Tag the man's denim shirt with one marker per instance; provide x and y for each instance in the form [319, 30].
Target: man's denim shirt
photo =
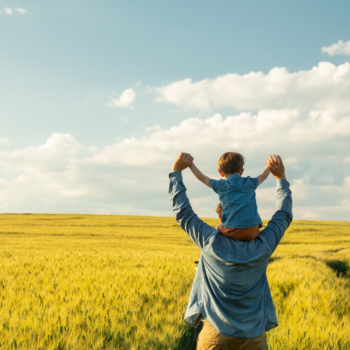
[230, 288]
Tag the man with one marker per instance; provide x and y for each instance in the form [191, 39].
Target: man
[230, 291]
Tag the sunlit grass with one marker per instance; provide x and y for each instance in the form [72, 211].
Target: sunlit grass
[123, 282]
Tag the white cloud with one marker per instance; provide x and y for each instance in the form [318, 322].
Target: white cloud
[4, 140]
[21, 11]
[53, 156]
[130, 176]
[324, 86]
[126, 99]
[8, 11]
[123, 119]
[339, 48]
[290, 132]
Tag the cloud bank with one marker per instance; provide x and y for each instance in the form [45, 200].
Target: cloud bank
[130, 177]
[324, 86]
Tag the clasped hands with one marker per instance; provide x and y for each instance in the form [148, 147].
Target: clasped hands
[184, 160]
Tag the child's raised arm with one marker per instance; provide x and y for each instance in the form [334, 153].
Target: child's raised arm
[263, 176]
[199, 175]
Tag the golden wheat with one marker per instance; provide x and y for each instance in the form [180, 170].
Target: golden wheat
[122, 282]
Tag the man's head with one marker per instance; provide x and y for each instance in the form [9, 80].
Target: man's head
[231, 163]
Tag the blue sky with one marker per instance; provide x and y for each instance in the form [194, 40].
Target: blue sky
[63, 62]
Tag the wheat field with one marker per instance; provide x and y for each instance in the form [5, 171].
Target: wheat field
[122, 282]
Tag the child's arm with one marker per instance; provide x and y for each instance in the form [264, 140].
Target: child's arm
[263, 176]
[199, 175]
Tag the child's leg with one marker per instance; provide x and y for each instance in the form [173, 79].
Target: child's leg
[240, 234]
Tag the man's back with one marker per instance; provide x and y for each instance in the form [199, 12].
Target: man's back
[236, 285]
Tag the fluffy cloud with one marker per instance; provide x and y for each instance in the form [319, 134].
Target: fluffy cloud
[324, 86]
[126, 99]
[269, 130]
[340, 48]
[130, 177]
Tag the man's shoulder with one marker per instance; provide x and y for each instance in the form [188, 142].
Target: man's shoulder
[230, 250]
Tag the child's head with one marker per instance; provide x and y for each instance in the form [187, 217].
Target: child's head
[231, 163]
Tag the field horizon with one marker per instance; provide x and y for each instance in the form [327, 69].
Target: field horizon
[204, 218]
[91, 281]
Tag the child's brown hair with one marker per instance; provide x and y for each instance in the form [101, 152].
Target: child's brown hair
[231, 163]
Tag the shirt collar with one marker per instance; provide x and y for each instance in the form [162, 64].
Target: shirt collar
[233, 176]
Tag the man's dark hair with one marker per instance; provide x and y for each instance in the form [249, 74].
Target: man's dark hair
[231, 163]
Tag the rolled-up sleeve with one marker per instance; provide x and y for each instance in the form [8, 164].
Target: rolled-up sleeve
[283, 216]
[196, 229]
[253, 182]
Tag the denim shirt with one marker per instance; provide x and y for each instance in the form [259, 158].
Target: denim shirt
[230, 288]
[237, 195]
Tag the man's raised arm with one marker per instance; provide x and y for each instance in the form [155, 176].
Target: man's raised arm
[197, 230]
[283, 215]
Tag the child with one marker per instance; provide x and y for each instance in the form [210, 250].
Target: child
[240, 218]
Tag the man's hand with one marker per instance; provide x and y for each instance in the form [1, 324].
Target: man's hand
[276, 166]
[183, 161]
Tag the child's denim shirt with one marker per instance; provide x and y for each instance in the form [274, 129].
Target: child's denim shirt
[237, 195]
